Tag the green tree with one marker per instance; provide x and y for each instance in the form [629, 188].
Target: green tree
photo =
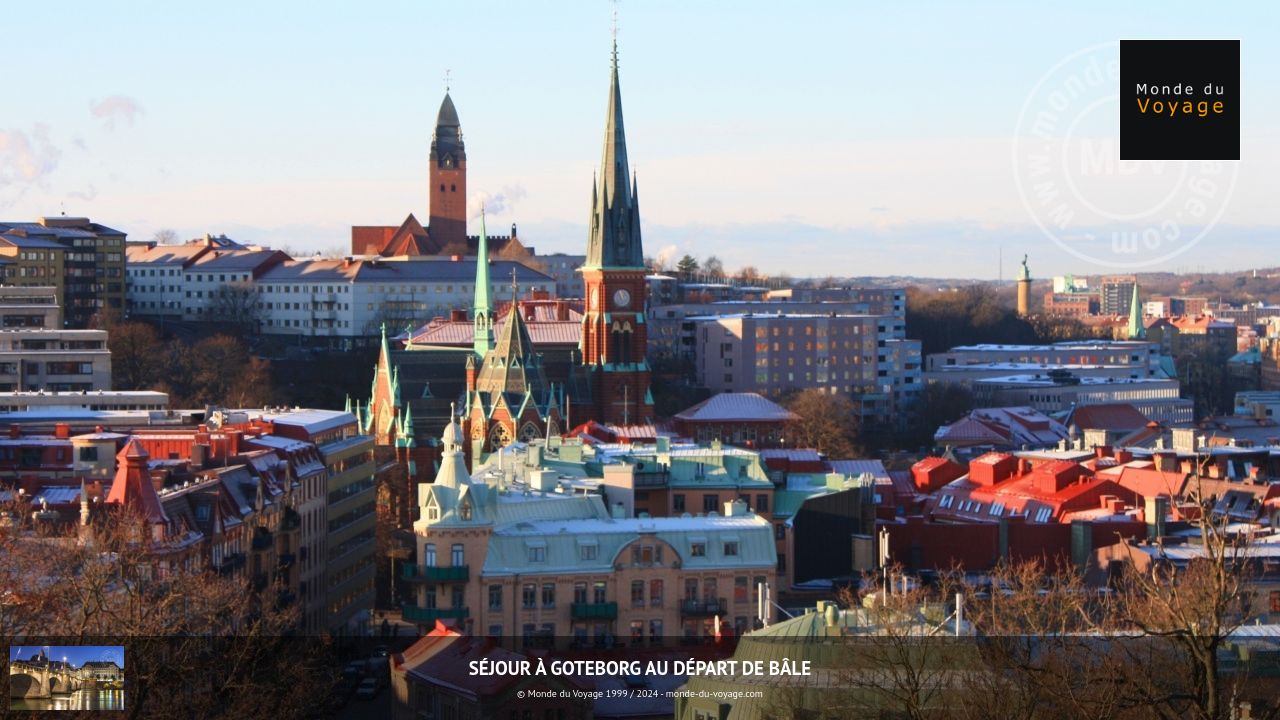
[687, 266]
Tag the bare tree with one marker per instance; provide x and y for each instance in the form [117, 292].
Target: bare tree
[238, 306]
[165, 236]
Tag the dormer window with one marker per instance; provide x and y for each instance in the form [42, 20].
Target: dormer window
[464, 510]
[433, 513]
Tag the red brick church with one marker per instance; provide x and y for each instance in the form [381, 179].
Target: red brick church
[446, 230]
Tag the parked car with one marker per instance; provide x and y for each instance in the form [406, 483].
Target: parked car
[355, 670]
[368, 689]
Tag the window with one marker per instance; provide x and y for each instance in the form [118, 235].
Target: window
[538, 553]
[677, 502]
[731, 548]
[1042, 515]
[455, 556]
[529, 596]
[599, 593]
[762, 503]
[459, 596]
[741, 593]
[88, 454]
[780, 531]
[580, 592]
[655, 593]
[655, 631]
[637, 593]
[548, 595]
[997, 508]
[588, 552]
[698, 549]
[710, 502]
[495, 597]
[429, 558]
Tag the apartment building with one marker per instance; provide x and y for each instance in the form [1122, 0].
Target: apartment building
[92, 277]
[540, 559]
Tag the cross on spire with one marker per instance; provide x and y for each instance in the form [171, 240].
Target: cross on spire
[515, 289]
[448, 75]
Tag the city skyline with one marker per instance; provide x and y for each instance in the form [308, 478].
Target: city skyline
[820, 141]
[76, 655]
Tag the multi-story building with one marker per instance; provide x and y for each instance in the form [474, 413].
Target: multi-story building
[30, 260]
[1097, 358]
[672, 330]
[1070, 304]
[35, 359]
[867, 356]
[93, 263]
[33, 306]
[541, 559]
[346, 551]
[183, 282]
[315, 464]
[564, 268]
[218, 271]
[1193, 334]
[1115, 294]
[346, 302]
[1053, 392]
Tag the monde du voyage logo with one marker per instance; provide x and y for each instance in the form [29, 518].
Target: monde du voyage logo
[1180, 99]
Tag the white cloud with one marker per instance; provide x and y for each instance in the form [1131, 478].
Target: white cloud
[26, 159]
[495, 203]
[110, 108]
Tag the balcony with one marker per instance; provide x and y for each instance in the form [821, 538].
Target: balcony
[413, 613]
[594, 611]
[704, 607]
[455, 574]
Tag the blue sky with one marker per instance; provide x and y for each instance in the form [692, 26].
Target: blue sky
[77, 655]
[874, 138]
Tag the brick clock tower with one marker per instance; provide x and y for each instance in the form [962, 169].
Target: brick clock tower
[614, 335]
[448, 178]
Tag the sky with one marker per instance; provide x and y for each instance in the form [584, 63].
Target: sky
[77, 655]
[810, 138]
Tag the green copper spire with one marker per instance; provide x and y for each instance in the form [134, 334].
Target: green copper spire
[1136, 330]
[614, 239]
[483, 315]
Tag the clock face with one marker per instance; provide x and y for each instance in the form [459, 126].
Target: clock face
[621, 298]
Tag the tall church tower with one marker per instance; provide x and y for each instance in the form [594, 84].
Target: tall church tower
[614, 337]
[482, 312]
[448, 178]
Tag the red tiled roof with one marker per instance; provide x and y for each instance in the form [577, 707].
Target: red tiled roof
[1110, 416]
[132, 486]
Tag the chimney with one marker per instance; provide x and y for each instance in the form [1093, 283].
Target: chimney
[61, 430]
[199, 454]
[1123, 456]
[233, 441]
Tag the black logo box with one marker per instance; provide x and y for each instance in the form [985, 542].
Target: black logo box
[1187, 68]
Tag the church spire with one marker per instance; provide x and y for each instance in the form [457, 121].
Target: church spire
[483, 315]
[1136, 331]
[614, 240]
